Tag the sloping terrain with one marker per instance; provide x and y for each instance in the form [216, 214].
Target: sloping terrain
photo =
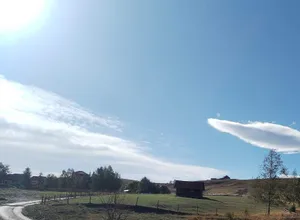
[223, 187]
[228, 187]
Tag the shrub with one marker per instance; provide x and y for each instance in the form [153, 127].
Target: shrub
[246, 212]
[292, 208]
[229, 215]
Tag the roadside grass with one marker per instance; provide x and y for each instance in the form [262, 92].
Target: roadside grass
[81, 212]
[210, 204]
[56, 211]
[9, 195]
[228, 207]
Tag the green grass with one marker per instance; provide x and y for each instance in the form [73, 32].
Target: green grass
[80, 212]
[206, 207]
[223, 204]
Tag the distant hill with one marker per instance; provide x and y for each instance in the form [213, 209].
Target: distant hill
[125, 182]
[224, 187]
[227, 187]
[231, 187]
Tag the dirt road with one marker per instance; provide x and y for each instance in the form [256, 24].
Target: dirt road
[13, 211]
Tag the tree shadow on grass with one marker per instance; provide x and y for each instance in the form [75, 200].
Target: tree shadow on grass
[206, 198]
[137, 209]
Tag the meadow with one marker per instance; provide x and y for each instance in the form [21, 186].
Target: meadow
[150, 207]
[210, 204]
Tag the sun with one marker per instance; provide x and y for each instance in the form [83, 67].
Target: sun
[19, 14]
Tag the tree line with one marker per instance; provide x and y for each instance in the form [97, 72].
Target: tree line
[275, 185]
[146, 186]
[102, 179]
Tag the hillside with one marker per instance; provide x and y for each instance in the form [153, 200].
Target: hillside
[224, 187]
[227, 187]
[231, 187]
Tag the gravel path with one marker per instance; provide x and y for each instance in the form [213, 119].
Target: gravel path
[13, 211]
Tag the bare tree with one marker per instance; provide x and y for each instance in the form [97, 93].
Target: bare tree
[114, 207]
[266, 188]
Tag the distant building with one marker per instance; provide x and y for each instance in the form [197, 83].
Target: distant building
[37, 181]
[80, 174]
[191, 189]
[225, 178]
[15, 179]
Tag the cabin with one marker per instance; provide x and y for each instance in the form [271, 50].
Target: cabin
[190, 189]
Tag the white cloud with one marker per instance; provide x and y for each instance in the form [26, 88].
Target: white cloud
[262, 134]
[49, 133]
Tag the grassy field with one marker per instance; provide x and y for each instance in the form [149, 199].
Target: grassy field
[78, 209]
[211, 204]
[80, 212]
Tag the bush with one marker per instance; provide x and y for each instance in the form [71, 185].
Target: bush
[146, 186]
[292, 208]
[164, 190]
[246, 212]
[229, 215]
[133, 187]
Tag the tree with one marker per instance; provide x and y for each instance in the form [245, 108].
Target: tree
[164, 190]
[146, 186]
[26, 178]
[82, 181]
[267, 185]
[4, 170]
[114, 208]
[41, 181]
[51, 182]
[66, 179]
[106, 179]
[133, 187]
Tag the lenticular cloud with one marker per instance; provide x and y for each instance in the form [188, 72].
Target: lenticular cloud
[261, 134]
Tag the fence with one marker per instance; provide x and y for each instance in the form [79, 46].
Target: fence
[89, 197]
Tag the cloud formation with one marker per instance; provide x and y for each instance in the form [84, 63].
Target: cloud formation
[47, 132]
[261, 134]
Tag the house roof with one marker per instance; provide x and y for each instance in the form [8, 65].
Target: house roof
[189, 184]
[14, 177]
[225, 177]
[81, 173]
[37, 177]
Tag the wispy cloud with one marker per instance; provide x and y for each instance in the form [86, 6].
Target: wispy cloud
[293, 123]
[262, 134]
[44, 126]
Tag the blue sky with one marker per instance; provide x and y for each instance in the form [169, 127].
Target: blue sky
[151, 73]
